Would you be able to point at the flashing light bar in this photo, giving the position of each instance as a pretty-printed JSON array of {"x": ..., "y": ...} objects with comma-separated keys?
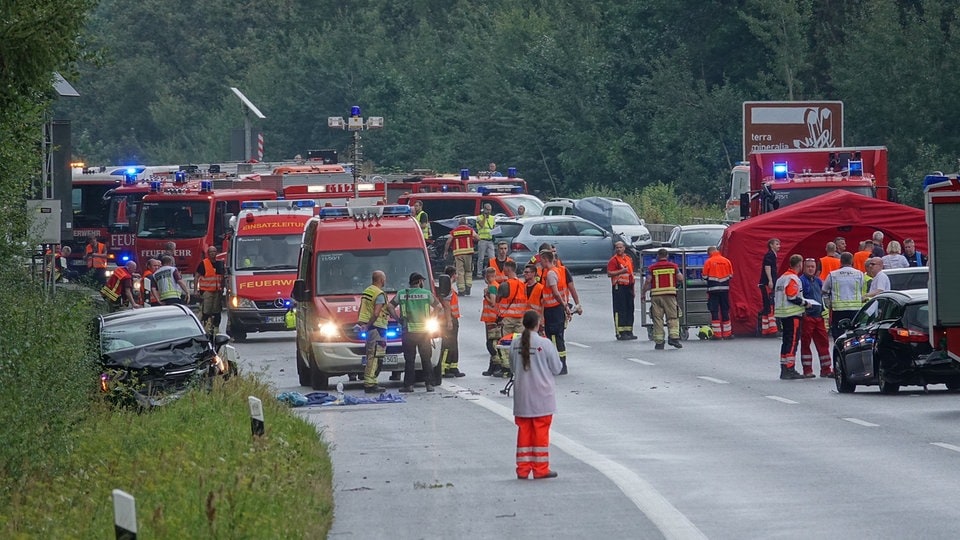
[
  {"x": 281, "y": 203},
  {"x": 511, "y": 172},
  {"x": 365, "y": 212},
  {"x": 855, "y": 168},
  {"x": 780, "y": 170},
  {"x": 249, "y": 205},
  {"x": 304, "y": 203},
  {"x": 206, "y": 186},
  {"x": 464, "y": 174},
  {"x": 180, "y": 177},
  {"x": 486, "y": 190},
  {"x": 130, "y": 178}
]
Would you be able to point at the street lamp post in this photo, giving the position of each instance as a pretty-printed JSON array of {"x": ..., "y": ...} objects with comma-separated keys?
[{"x": 356, "y": 124}]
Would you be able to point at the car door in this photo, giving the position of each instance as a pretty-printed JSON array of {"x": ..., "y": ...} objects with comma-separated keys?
[
  {"x": 858, "y": 342},
  {"x": 594, "y": 244}
]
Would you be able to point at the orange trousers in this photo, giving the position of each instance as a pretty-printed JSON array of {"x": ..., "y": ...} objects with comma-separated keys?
[{"x": 533, "y": 445}]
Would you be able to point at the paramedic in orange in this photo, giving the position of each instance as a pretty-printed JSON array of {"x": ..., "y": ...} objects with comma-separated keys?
[
  {"x": 96, "y": 256},
  {"x": 718, "y": 271},
  {"x": 620, "y": 272},
  {"x": 209, "y": 284}
]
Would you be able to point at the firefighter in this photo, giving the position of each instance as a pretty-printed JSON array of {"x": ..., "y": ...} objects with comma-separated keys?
[
  {"x": 463, "y": 239},
  {"x": 497, "y": 262},
  {"x": 119, "y": 287},
  {"x": 718, "y": 271},
  {"x": 165, "y": 281},
  {"x": 491, "y": 321},
  {"x": 789, "y": 306},
  {"x": 661, "y": 280},
  {"x": 768, "y": 270},
  {"x": 620, "y": 272},
  {"x": 423, "y": 219},
  {"x": 485, "y": 225},
  {"x": 556, "y": 312},
  {"x": 209, "y": 285},
  {"x": 812, "y": 327},
  {"x": 843, "y": 292},
  {"x": 413, "y": 306},
  {"x": 96, "y": 256},
  {"x": 373, "y": 321},
  {"x": 511, "y": 303},
  {"x": 449, "y": 364}
]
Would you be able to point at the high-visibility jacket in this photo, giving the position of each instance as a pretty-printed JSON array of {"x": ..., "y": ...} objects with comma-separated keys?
[
  {"x": 498, "y": 268},
  {"x": 414, "y": 304},
  {"x": 210, "y": 280},
  {"x": 549, "y": 299},
  {"x": 828, "y": 264},
  {"x": 454, "y": 305},
  {"x": 534, "y": 296},
  {"x": 513, "y": 305},
  {"x": 488, "y": 313},
  {"x": 485, "y": 226},
  {"x": 424, "y": 220},
  {"x": 717, "y": 271},
  {"x": 860, "y": 260},
  {"x": 846, "y": 288},
  {"x": 663, "y": 278},
  {"x": 618, "y": 262},
  {"x": 367, "y": 302},
  {"x": 166, "y": 284},
  {"x": 788, "y": 288},
  {"x": 462, "y": 240},
  {"x": 112, "y": 290},
  {"x": 96, "y": 262}
]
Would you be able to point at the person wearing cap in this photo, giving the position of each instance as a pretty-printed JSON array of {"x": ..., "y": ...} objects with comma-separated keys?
[{"x": 413, "y": 307}]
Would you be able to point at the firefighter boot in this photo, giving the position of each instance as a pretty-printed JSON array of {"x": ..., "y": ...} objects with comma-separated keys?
[
  {"x": 789, "y": 374},
  {"x": 564, "y": 370},
  {"x": 490, "y": 368}
]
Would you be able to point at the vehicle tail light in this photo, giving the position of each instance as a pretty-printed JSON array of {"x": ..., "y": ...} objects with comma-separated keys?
[
  {"x": 905, "y": 335},
  {"x": 517, "y": 246}
]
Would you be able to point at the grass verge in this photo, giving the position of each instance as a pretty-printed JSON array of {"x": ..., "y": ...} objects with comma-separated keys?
[{"x": 194, "y": 469}]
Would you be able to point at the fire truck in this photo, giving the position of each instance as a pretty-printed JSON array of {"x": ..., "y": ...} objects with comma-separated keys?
[
  {"x": 193, "y": 216},
  {"x": 89, "y": 212},
  {"x": 341, "y": 249},
  {"x": 427, "y": 181},
  {"x": 776, "y": 178},
  {"x": 942, "y": 202},
  {"x": 262, "y": 264}
]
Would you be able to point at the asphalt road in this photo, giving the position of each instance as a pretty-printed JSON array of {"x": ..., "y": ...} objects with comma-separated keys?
[{"x": 703, "y": 441}]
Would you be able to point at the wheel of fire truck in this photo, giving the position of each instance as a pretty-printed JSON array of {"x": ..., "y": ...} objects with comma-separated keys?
[
  {"x": 319, "y": 379},
  {"x": 303, "y": 367}
]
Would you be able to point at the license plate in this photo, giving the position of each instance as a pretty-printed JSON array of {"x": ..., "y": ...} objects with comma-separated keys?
[
  {"x": 279, "y": 319},
  {"x": 393, "y": 360}
]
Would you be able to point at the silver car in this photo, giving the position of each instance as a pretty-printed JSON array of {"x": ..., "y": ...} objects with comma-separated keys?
[{"x": 582, "y": 245}]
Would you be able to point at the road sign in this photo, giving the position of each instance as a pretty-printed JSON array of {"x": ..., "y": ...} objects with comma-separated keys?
[{"x": 782, "y": 125}]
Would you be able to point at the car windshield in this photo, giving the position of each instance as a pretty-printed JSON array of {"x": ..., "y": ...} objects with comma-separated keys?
[
  {"x": 138, "y": 332},
  {"x": 532, "y": 205},
  {"x": 124, "y": 209},
  {"x": 917, "y": 317},
  {"x": 89, "y": 207},
  {"x": 624, "y": 215},
  {"x": 174, "y": 219},
  {"x": 700, "y": 238},
  {"x": 903, "y": 281},
  {"x": 267, "y": 252},
  {"x": 788, "y": 196},
  {"x": 348, "y": 272}
]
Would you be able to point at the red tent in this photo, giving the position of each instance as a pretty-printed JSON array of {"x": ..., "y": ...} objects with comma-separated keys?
[{"x": 805, "y": 228}]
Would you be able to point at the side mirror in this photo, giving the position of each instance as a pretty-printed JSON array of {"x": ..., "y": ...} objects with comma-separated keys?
[
  {"x": 444, "y": 286},
  {"x": 844, "y": 324},
  {"x": 299, "y": 292},
  {"x": 220, "y": 340}
]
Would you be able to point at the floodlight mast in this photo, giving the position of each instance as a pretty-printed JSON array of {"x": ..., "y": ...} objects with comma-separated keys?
[
  {"x": 247, "y": 108},
  {"x": 355, "y": 124}
]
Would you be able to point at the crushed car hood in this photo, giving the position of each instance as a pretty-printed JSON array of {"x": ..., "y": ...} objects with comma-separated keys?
[{"x": 169, "y": 354}]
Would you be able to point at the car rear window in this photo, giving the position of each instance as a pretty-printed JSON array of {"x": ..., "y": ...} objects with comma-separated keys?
[
  {"x": 140, "y": 332},
  {"x": 917, "y": 317},
  {"x": 904, "y": 281},
  {"x": 700, "y": 238},
  {"x": 510, "y": 230}
]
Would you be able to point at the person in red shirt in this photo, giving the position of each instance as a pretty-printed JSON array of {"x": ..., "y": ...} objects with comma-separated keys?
[
  {"x": 620, "y": 272},
  {"x": 717, "y": 271}
]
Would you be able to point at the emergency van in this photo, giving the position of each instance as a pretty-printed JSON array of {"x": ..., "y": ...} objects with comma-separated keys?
[
  {"x": 262, "y": 264},
  {"x": 341, "y": 249}
]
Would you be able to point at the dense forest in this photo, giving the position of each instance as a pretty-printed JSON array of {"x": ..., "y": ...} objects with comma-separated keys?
[{"x": 619, "y": 94}]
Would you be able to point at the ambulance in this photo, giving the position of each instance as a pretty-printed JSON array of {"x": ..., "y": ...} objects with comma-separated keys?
[
  {"x": 341, "y": 249},
  {"x": 262, "y": 264}
]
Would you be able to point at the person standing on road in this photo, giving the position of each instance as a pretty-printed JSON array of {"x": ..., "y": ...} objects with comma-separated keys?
[
  {"x": 879, "y": 281},
  {"x": 511, "y": 303},
  {"x": 463, "y": 239},
  {"x": 485, "y": 225},
  {"x": 165, "y": 281},
  {"x": 893, "y": 258},
  {"x": 497, "y": 262},
  {"x": 489, "y": 316},
  {"x": 373, "y": 321},
  {"x": 877, "y": 244},
  {"x": 843, "y": 292},
  {"x": 914, "y": 257},
  {"x": 768, "y": 269},
  {"x": 412, "y": 307},
  {"x": 423, "y": 219},
  {"x": 118, "y": 290},
  {"x": 96, "y": 256},
  {"x": 718, "y": 271},
  {"x": 534, "y": 398},
  {"x": 812, "y": 326},
  {"x": 209, "y": 283},
  {"x": 661, "y": 281},
  {"x": 533, "y": 289},
  {"x": 620, "y": 272},
  {"x": 830, "y": 261},
  {"x": 788, "y": 308},
  {"x": 449, "y": 364},
  {"x": 860, "y": 257},
  {"x": 556, "y": 312}
]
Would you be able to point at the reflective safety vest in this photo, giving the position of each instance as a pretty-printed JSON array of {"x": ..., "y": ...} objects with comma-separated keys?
[
  {"x": 498, "y": 268},
  {"x": 462, "y": 240},
  {"x": 549, "y": 299},
  {"x": 534, "y": 297},
  {"x": 424, "y": 222},
  {"x": 166, "y": 285},
  {"x": 513, "y": 306},
  {"x": 618, "y": 262},
  {"x": 455, "y": 306},
  {"x": 485, "y": 226},
  {"x": 489, "y": 312},
  {"x": 663, "y": 276},
  {"x": 788, "y": 287},
  {"x": 210, "y": 280},
  {"x": 846, "y": 287},
  {"x": 112, "y": 290},
  {"x": 717, "y": 271},
  {"x": 367, "y": 303},
  {"x": 96, "y": 262},
  {"x": 414, "y": 308}
]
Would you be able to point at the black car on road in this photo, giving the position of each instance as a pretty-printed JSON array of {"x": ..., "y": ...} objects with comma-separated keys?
[{"x": 887, "y": 344}]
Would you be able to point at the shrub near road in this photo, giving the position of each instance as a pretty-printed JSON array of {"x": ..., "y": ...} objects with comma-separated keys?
[{"x": 194, "y": 469}]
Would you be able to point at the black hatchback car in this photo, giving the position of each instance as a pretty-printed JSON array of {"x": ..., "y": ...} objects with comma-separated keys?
[
  {"x": 153, "y": 355},
  {"x": 887, "y": 344}
]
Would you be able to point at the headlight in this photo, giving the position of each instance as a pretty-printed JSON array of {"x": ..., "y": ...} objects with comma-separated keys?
[
  {"x": 432, "y": 325},
  {"x": 219, "y": 363},
  {"x": 328, "y": 330},
  {"x": 238, "y": 302}
]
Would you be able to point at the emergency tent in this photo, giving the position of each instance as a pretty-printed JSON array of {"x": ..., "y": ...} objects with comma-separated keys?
[{"x": 805, "y": 228}]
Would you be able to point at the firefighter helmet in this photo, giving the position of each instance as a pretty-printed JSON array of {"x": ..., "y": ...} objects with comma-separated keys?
[{"x": 705, "y": 332}]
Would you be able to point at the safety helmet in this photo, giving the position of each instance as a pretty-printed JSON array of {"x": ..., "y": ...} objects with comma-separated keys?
[{"x": 705, "y": 332}]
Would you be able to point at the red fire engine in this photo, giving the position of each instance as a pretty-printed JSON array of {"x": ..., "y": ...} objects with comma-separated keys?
[{"x": 942, "y": 194}]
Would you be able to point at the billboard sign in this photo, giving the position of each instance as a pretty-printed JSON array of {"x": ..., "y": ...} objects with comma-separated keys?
[{"x": 784, "y": 125}]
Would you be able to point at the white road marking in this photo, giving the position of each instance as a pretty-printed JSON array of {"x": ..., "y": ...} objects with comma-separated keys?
[
  {"x": 947, "y": 446},
  {"x": 782, "y": 400},
  {"x": 667, "y": 518},
  {"x": 639, "y": 361},
  {"x": 711, "y": 379},
  {"x": 859, "y": 422},
  {"x": 575, "y": 344}
]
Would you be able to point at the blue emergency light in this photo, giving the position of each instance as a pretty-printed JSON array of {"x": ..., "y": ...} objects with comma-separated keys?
[
  {"x": 333, "y": 212},
  {"x": 397, "y": 210},
  {"x": 483, "y": 190},
  {"x": 130, "y": 177},
  {"x": 464, "y": 174},
  {"x": 252, "y": 205},
  {"x": 155, "y": 186},
  {"x": 305, "y": 203},
  {"x": 934, "y": 179},
  {"x": 855, "y": 168},
  {"x": 393, "y": 333},
  {"x": 206, "y": 186},
  {"x": 780, "y": 170},
  {"x": 125, "y": 258},
  {"x": 180, "y": 177},
  {"x": 355, "y": 110},
  {"x": 511, "y": 172}
]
